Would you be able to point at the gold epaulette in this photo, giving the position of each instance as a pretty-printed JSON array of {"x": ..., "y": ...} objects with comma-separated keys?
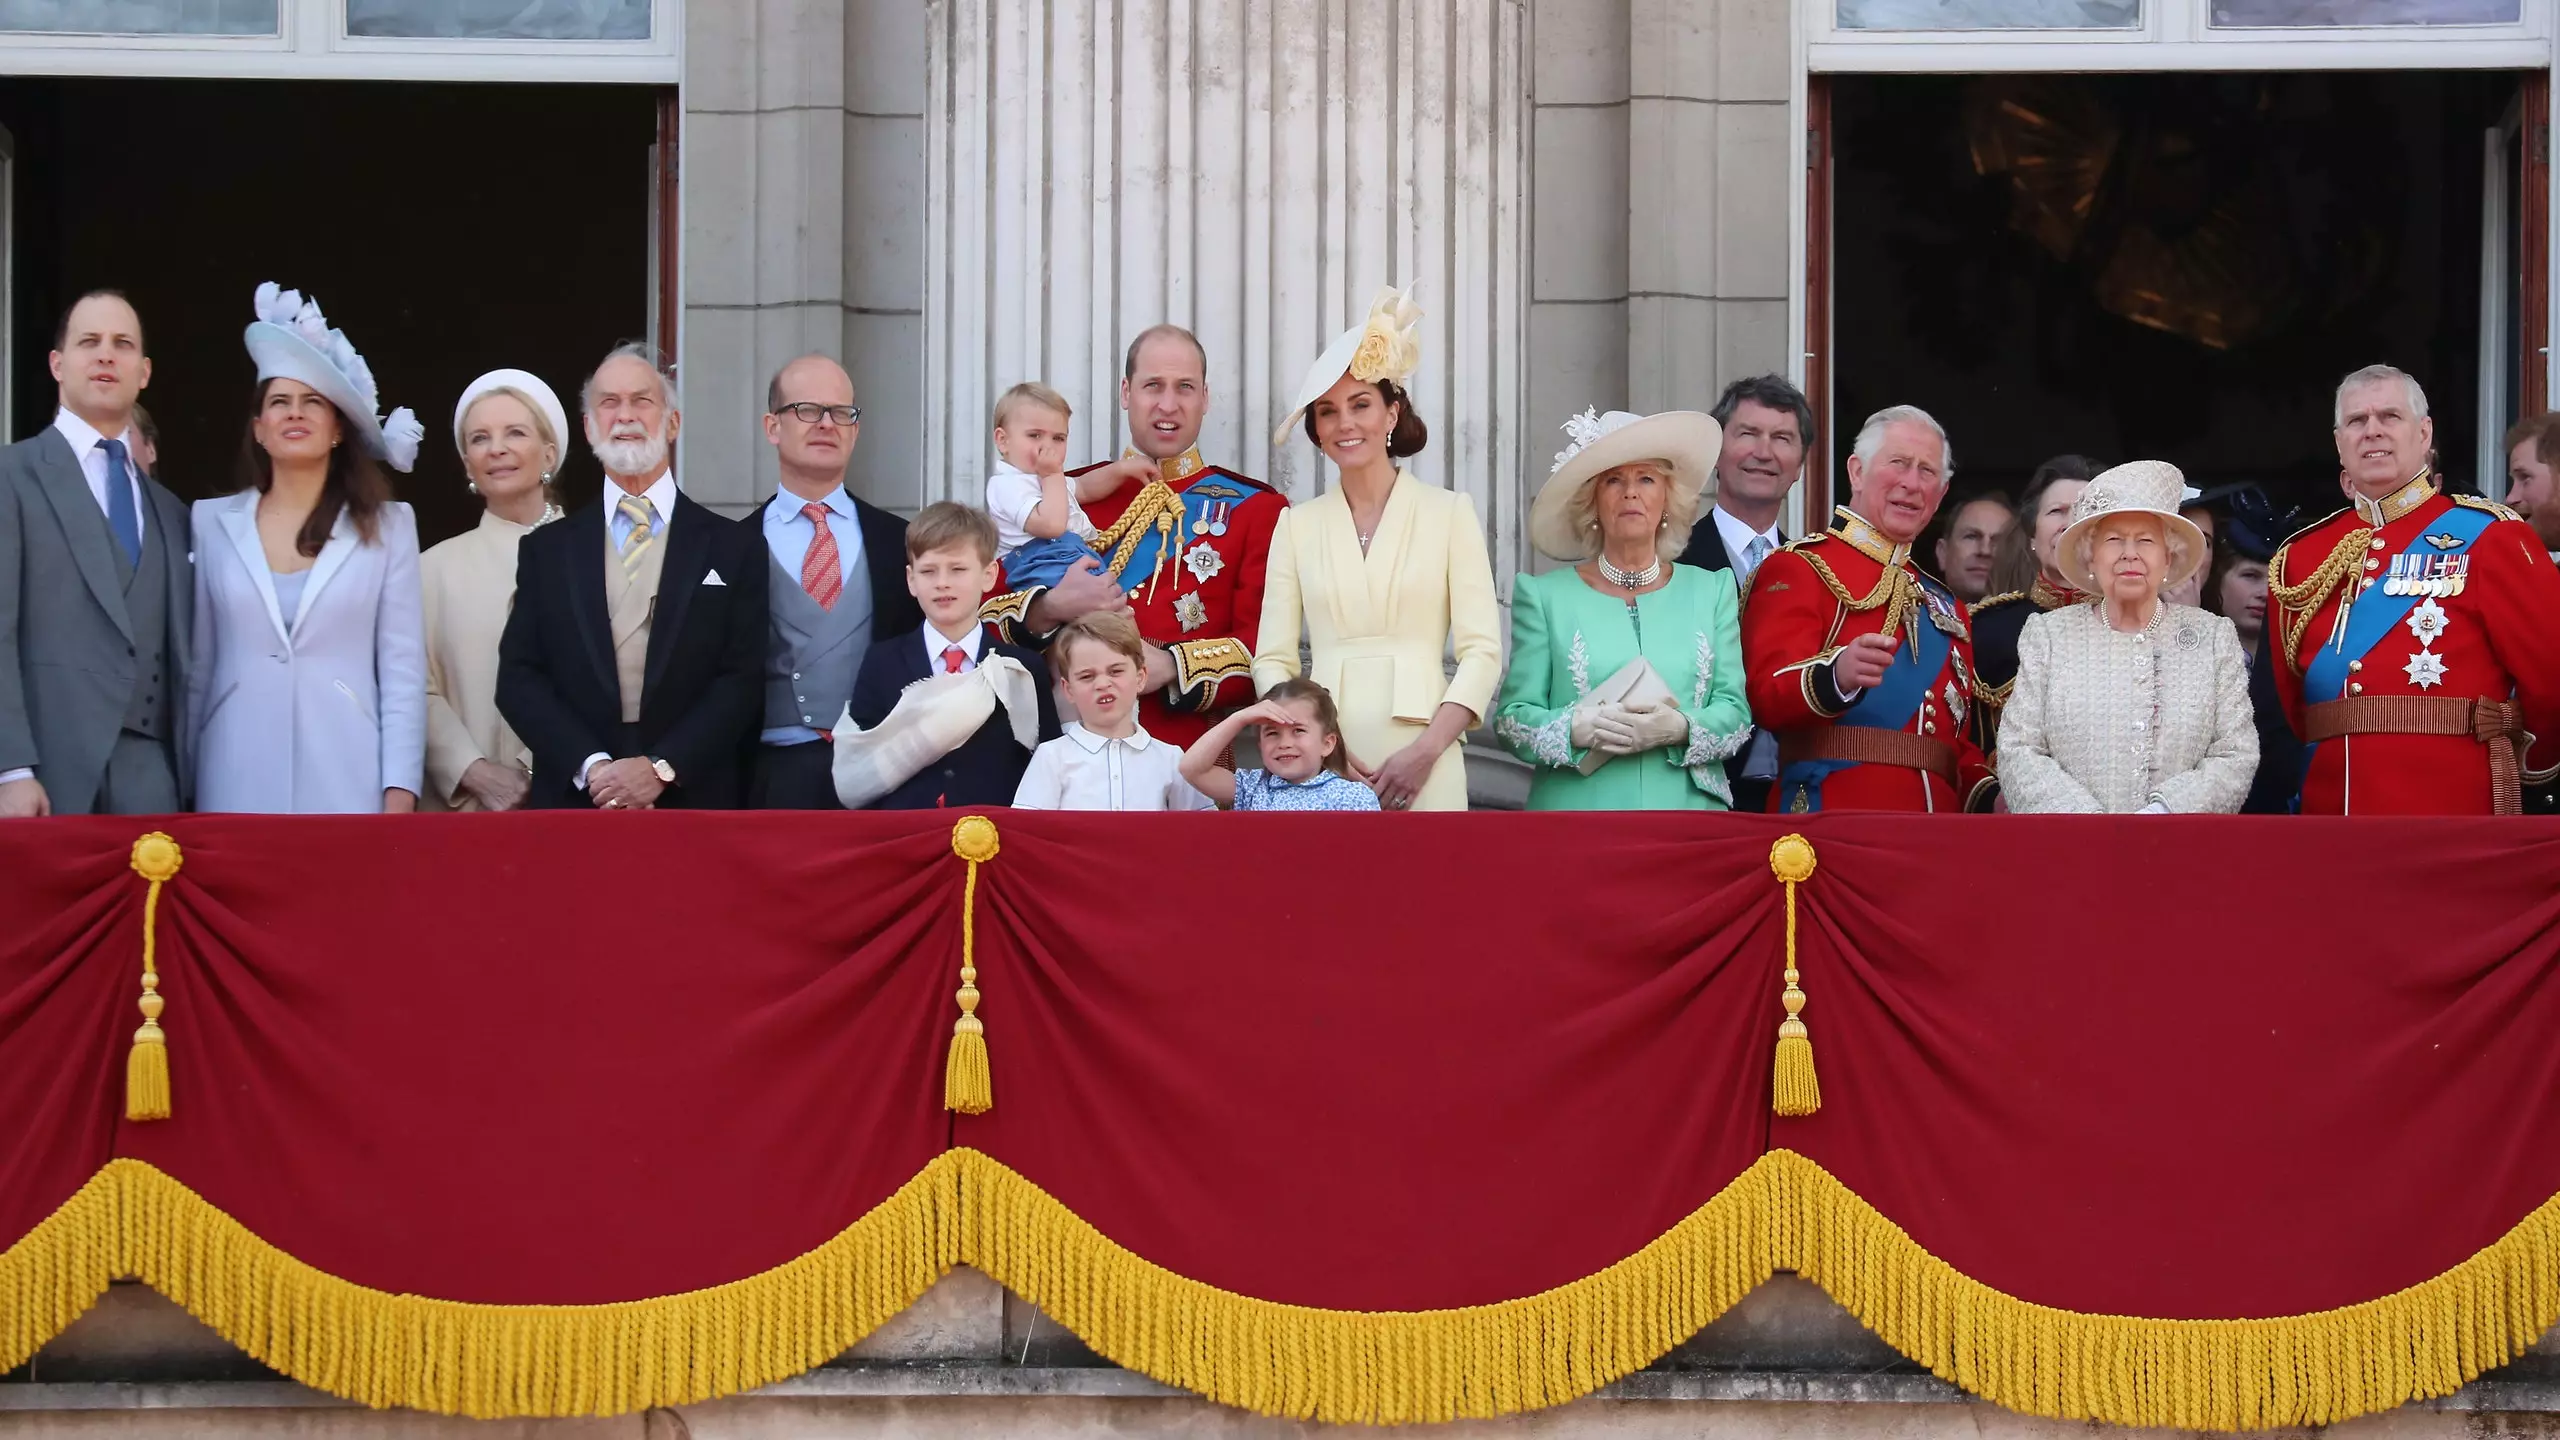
[
  {"x": 2298, "y": 602},
  {"x": 1991, "y": 602},
  {"x": 2493, "y": 507}
]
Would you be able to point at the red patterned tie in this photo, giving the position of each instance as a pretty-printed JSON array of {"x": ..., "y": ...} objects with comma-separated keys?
[
  {"x": 953, "y": 657},
  {"x": 821, "y": 574}
]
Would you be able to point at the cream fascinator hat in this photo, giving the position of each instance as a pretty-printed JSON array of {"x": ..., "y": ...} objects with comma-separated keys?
[
  {"x": 1386, "y": 346},
  {"x": 526, "y": 383},
  {"x": 2137, "y": 487},
  {"x": 291, "y": 341},
  {"x": 1685, "y": 442}
]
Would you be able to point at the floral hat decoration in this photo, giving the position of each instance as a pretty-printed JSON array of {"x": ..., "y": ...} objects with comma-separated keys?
[
  {"x": 291, "y": 340},
  {"x": 1385, "y": 346}
]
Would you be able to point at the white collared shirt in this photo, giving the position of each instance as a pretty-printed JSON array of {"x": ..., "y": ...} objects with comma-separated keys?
[
  {"x": 1083, "y": 771},
  {"x": 93, "y": 463},
  {"x": 1012, "y": 494},
  {"x": 788, "y": 532},
  {"x": 935, "y": 642},
  {"x": 1737, "y": 539}
]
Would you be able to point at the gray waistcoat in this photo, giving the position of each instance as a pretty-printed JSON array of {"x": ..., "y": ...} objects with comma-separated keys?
[
  {"x": 146, "y": 601},
  {"x": 812, "y": 655}
]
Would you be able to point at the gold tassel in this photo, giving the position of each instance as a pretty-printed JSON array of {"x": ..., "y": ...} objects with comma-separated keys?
[
  {"x": 146, "y": 1067},
  {"x": 967, "y": 1085},
  {"x": 1794, "y": 1090}
]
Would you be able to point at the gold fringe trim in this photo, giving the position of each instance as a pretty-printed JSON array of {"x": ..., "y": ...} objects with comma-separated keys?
[
  {"x": 454, "y": 1358},
  {"x": 2317, "y": 1369},
  {"x": 1362, "y": 1367},
  {"x": 965, "y": 1207}
]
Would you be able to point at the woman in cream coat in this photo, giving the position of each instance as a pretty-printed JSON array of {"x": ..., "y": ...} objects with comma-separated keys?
[
  {"x": 2129, "y": 704},
  {"x": 1382, "y": 576},
  {"x": 510, "y": 428},
  {"x": 308, "y": 692}
]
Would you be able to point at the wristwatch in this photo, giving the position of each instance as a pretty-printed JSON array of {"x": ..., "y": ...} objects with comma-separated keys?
[{"x": 666, "y": 772}]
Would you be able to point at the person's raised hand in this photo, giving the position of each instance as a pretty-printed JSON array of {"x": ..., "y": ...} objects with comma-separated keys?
[{"x": 1861, "y": 663}]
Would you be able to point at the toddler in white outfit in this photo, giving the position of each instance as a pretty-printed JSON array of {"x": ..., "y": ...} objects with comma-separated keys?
[{"x": 1041, "y": 529}]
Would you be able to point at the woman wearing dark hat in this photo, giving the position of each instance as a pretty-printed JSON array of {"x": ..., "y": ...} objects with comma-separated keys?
[
  {"x": 2128, "y": 703},
  {"x": 1625, "y": 690},
  {"x": 308, "y": 689}
]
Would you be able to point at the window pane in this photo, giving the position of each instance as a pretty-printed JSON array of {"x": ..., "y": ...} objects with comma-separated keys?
[
  {"x": 1990, "y": 14},
  {"x": 140, "y": 17},
  {"x": 499, "y": 19},
  {"x": 2245, "y": 13}
]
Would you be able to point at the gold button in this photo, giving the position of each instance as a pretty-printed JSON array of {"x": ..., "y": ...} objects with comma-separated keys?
[
  {"x": 2354, "y": 665},
  {"x": 2373, "y": 564},
  {"x": 2355, "y": 689},
  {"x": 2377, "y": 542}
]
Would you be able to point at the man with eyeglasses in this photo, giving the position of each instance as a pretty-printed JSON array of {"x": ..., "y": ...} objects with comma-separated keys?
[{"x": 838, "y": 579}]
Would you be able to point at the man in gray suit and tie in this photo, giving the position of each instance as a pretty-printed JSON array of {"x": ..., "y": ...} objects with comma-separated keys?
[{"x": 97, "y": 591}]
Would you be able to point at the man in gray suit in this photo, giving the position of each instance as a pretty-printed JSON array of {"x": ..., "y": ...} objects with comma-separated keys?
[
  {"x": 839, "y": 578},
  {"x": 97, "y": 591}
]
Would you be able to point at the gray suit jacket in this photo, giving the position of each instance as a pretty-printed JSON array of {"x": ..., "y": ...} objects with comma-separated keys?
[{"x": 67, "y": 661}]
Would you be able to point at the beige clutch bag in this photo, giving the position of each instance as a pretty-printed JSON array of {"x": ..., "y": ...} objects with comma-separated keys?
[{"x": 1636, "y": 685}]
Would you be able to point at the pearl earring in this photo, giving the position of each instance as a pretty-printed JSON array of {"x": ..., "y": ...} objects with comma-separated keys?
[{"x": 471, "y": 485}]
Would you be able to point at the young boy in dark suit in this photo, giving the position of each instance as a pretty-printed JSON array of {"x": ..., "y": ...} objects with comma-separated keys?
[{"x": 951, "y": 565}]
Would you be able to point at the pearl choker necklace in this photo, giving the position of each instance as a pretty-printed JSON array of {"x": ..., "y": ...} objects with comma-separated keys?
[{"x": 1630, "y": 579}]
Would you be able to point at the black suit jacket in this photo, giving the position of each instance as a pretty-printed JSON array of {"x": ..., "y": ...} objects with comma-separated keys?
[
  {"x": 703, "y": 690},
  {"x": 987, "y": 768},
  {"x": 1706, "y": 551},
  {"x": 884, "y": 552}
]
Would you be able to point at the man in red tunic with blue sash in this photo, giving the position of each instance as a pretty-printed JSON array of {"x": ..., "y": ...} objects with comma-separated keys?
[
  {"x": 1861, "y": 663},
  {"x": 2416, "y": 634},
  {"x": 1184, "y": 547}
]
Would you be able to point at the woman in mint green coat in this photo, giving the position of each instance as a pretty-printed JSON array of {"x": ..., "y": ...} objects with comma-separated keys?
[{"x": 1625, "y": 687}]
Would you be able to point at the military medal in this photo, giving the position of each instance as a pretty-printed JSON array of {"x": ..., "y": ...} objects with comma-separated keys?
[
  {"x": 1204, "y": 561},
  {"x": 1191, "y": 611}
]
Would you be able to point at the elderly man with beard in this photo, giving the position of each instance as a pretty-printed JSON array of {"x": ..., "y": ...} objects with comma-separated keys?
[{"x": 633, "y": 663}]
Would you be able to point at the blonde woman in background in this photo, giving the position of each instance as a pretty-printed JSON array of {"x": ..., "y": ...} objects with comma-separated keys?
[{"x": 509, "y": 427}]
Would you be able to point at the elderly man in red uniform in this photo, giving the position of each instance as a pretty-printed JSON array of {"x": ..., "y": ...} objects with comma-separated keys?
[
  {"x": 1184, "y": 547},
  {"x": 1861, "y": 663},
  {"x": 2418, "y": 633}
]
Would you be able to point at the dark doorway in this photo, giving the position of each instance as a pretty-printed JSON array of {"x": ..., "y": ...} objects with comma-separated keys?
[
  {"x": 448, "y": 229},
  {"x": 2174, "y": 267}
]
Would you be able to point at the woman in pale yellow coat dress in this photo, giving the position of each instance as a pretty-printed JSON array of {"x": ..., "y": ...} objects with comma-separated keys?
[
  {"x": 509, "y": 427},
  {"x": 1384, "y": 577}
]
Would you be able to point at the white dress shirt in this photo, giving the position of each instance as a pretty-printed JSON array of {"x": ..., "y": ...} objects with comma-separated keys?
[
  {"x": 1737, "y": 539},
  {"x": 1083, "y": 771},
  {"x": 1013, "y": 494},
  {"x": 93, "y": 462},
  {"x": 935, "y": 642}
]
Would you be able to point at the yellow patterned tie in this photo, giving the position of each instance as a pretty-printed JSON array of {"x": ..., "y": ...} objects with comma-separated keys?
[{"x": 636, "y": 509}]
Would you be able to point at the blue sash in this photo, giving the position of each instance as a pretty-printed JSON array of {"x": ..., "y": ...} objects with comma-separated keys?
[
  {"x": 2372, "y": 617},
  {"x": 2375, "y": 613},
  {"x": 1209, "y": 499},
  {"x": 1888, "y": 704}
]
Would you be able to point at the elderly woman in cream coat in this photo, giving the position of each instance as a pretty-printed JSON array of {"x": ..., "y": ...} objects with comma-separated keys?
[
  {"x": 2127, "y": 703},
  {"x": 510, "y": 428},
  {"x": 1383, "y": 575}
]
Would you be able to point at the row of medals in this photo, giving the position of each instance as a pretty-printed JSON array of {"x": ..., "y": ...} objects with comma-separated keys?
[{"x": 2440, "y": 576}]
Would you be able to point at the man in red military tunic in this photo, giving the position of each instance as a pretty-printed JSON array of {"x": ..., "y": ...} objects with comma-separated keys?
[
  {"x": 2416, "y": 634},
  {"x": 1861, "y": 663},
  {"x": 1184, "y": 547}
]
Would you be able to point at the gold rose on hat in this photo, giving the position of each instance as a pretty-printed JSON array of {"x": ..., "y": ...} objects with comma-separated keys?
[{"x": 1385, "y": 346}]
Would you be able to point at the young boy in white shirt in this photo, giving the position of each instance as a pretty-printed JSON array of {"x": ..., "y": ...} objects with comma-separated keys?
[
  {"x": 1041, "y": 529},
  {"x": 1104, "y": 760}
]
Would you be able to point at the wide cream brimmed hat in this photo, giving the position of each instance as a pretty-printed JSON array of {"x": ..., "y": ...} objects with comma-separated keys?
[
  {"x": 1684, "y": 442},
  {"x": 1385, "y": 346},
  {"x": 2137, "y": 487},
  {"x": 292, "y": 340}
]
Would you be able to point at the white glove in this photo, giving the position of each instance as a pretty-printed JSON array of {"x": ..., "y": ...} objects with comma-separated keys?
[
  {"x": 1657, "y": 727},
  {"x": 1586, "y": 717},
  {"x": 1613, "y": 730}
]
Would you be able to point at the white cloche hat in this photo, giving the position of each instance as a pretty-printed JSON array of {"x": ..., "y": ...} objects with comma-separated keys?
[
  {"x": 290, "y": 340},
  {"x": 531, "y": 386}
]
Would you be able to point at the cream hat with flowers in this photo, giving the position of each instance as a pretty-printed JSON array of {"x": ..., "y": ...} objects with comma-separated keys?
[
  {"x": 1684, "y": 442},
  {"x": 2137, "y": 487},
  {"x": 1385, "y": 346}
]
